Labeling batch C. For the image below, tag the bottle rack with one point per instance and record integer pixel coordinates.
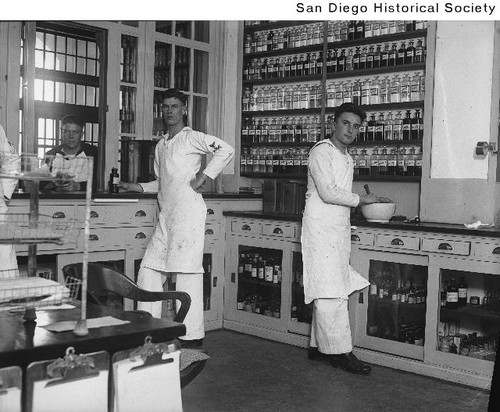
(297, 73)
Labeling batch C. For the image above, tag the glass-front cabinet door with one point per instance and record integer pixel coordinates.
(391, 312)
(300, 313)
(468, 314)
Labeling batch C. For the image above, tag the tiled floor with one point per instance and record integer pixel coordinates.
(246, 373)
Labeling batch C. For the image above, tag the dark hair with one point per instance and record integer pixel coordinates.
(73, 119)
(175, 93)
(350, 108)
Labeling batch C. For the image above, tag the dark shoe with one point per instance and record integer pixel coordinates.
(349, 363)
(314, 354)
(191, 344)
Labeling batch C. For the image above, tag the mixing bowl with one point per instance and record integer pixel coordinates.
(378, 212)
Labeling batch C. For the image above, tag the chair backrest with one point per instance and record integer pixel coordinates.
(102, 279)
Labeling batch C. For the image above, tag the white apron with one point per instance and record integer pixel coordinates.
(9, 163)
(178, 239)
(326, 228)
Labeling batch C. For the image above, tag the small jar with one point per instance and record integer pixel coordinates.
(475, 300)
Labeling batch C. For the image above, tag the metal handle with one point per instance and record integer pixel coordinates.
(444, 246)
(246, 227)
(93, 214)
(355, 238)
(397, 242)
(59, 215)
(278, 231)
(140, 213)
(209, 232)
(496, 251)
(140, 235)
(93, 237)
(210, 212)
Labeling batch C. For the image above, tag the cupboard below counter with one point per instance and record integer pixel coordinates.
(432, 307)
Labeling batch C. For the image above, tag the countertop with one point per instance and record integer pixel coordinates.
(420, 227)
(129, 195)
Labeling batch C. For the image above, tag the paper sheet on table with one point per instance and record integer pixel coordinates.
(83, 395)
(91, 323)
(153, 388)
(10, 400)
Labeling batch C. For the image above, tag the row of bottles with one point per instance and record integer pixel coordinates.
(258, 266)
(388, 161)
(385, 288)
(402, 88)
(296, 129)
(372, 91)
(159, 126)
(384, 127)
(259, 305)
(311, 34)
(306, 64)
(285, 38)
(127, 109)
(284, 97)
(453, 294)
(128, 59)
(376, 55)
(471, 344)
(274, 160)
(162, 66)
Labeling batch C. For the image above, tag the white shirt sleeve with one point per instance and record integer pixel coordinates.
(323, 174)
(221, 151)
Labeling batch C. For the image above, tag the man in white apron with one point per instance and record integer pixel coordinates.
(326, 242)
(9, 163)
(177, 243)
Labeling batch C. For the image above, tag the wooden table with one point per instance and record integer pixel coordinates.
(24, 342)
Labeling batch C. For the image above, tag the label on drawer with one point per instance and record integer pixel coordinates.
(400, 242)
(451, 247)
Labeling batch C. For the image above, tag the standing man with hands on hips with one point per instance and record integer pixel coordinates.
(176, 246)
(326, 242)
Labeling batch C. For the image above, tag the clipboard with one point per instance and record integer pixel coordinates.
(147, 378)
(76, 383)
(11, 383)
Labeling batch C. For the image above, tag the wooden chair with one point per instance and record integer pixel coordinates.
(102, 279)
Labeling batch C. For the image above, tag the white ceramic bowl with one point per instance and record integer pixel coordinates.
(378, 212)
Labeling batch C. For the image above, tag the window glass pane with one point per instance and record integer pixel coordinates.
(199, 115)
(200, 81)
(202, 31)
(164, 27)
(162, 65)
(38, 89)
(39, 58)
(82, 48)
(61, 44)
(39, 40)
(80, 94)
(80, 65)
(60, 89)
(71, 64)
(60, 62)
(48, 93)
(70, 93)
(50, 42)
(91, 96)
(49, 60)
(183, 29)
(71, 46)
(91, 50)
(181, 71)
(91, 68)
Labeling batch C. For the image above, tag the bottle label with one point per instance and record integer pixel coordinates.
(451, 297)
(116, 180)
(462, 293)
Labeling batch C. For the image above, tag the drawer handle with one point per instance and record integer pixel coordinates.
(277, 231)
(355, 238)
(496, 251)
(93, 214)
(140, 213)
(59, 215)
(140, 235)
(246, 227)
(209, 232)
(444, 246)
(210, 212)
(93, 237)
(397, 242)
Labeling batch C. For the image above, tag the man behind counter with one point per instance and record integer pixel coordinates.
(67, 157)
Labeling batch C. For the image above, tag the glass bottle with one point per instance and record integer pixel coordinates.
(383, 163)
(405, 88)
(462, 292)
(354, 155)
(360, 29)
(419, 52)
(452, 295)
(384, 56)
(375, 91)
(364, 163)
(365, 92)
(341, 61)
(397, 128)
(370, 57)
(400, 58)
(410, 53)
(407, 126)
(374, 157)
(368, 28)
(395, 95)
(393, 53)
(410, 162)
(363, 57)
(351, 29)
(377, 56)
(418, 162)
(347, 92)
(388, 127)
(392, 162)
(379, 128)
(401, 162)
(356, 92)
(370, 130)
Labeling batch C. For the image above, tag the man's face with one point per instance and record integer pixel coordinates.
(345, 129)
(173, 111)
(71, 135)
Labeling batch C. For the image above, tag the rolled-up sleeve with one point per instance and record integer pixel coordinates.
(322, 166)
(222, 152)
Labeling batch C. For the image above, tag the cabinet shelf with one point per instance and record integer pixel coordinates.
(376, 71)
(386, 38)
(472, 311)
(259, 282)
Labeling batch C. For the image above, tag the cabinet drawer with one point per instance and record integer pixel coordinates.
(212, 231)
(117, 214)
(399, 242)
(451, 247)
(487, 250)
(246, 227)
(119, 238)
(61, 213)
(278, 230)
(214, 211)
(366, 239)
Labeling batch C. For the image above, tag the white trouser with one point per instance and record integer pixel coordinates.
(191, 283)
(330, 329)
